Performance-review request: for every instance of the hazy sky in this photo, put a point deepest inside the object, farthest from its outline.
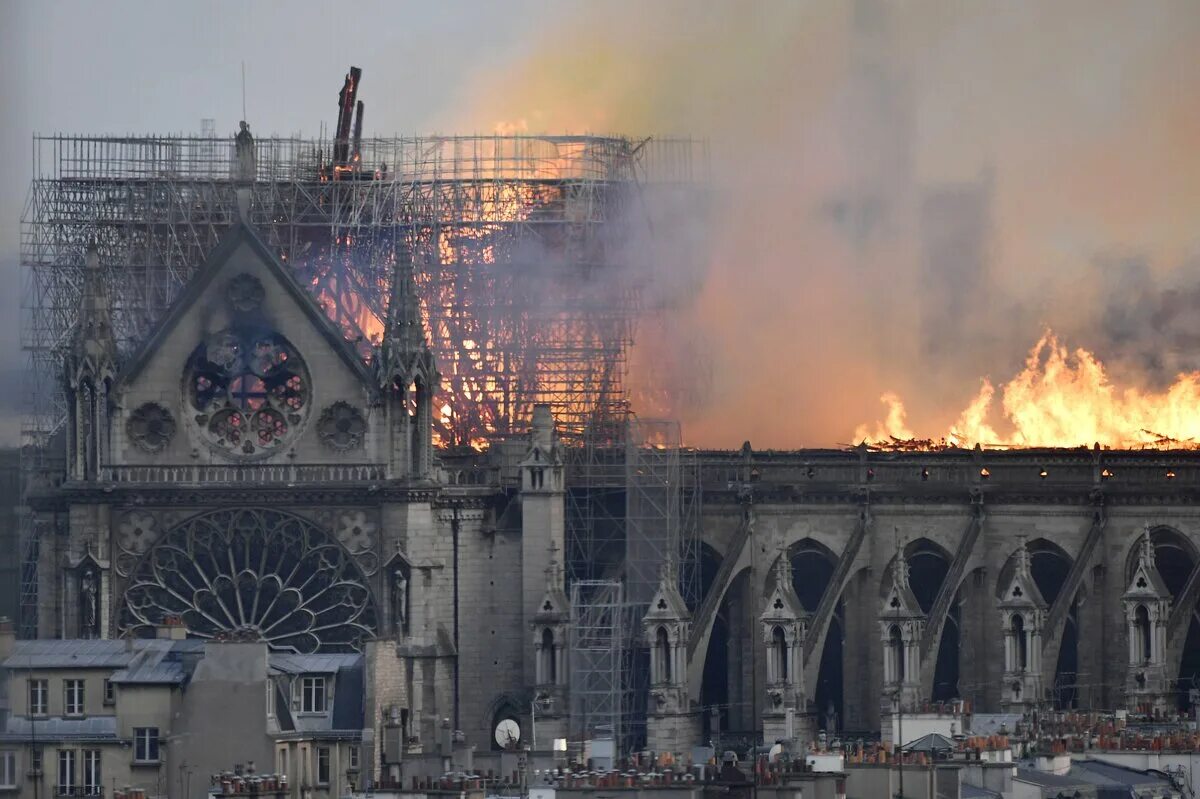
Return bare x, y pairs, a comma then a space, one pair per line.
1081, 116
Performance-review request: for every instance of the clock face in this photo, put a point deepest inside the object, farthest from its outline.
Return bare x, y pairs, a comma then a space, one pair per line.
508, 734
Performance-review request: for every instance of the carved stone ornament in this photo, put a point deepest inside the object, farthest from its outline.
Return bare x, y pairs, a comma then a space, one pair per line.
342, 427
245, 293
150, 427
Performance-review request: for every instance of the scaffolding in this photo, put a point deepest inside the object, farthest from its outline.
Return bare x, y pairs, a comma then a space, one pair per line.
526, 249
599, 640
633, 504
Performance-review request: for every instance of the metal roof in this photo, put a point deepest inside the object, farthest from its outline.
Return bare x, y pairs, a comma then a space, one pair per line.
292, 663
69, 654
969, 791
21, 728
1096, 772
155, 663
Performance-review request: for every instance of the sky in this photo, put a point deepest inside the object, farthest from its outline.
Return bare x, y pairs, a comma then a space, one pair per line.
1071, 124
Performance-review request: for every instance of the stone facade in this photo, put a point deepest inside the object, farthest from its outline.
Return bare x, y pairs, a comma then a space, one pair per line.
251, 475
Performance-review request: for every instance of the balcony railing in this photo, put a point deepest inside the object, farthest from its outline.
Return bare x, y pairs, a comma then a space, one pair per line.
78, 790
211, 474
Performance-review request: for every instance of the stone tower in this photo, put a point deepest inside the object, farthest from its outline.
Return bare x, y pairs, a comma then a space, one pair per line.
784, 624
1022, 617
1147, 603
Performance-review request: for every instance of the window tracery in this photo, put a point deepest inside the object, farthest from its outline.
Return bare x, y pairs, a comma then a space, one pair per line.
252, 574
151, 427
342, 426
250, 390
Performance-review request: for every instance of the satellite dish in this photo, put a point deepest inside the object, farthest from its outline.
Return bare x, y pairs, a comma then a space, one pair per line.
508, 734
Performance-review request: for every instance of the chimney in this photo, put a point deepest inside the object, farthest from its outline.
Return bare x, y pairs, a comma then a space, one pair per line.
543, 427
8, 637
172, 629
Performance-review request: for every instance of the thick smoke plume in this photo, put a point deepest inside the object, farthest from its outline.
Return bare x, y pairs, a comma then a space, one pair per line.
904, 196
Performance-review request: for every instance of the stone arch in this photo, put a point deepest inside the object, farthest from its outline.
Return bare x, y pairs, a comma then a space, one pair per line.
929, 565
254, 574
813, 565
506, 706
723, 691
708, 563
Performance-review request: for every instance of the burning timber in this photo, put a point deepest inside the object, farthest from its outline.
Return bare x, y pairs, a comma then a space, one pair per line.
526, 290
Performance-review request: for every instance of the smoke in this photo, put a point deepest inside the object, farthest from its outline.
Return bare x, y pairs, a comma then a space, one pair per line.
903, 196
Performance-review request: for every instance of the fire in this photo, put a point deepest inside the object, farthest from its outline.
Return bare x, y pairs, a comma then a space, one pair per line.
1060, 399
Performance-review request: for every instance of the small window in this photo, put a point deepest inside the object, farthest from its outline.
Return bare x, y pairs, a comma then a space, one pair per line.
39, 698
35, 761
110, 693
270, 699
73, 697
91, 773
66, 772
145, 744
312, 695
322, 765
352, 758
8, 768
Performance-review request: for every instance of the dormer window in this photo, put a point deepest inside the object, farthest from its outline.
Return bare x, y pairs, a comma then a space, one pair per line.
312, 695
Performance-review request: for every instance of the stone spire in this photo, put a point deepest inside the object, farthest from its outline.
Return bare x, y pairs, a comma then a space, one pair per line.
95, 345
405, 353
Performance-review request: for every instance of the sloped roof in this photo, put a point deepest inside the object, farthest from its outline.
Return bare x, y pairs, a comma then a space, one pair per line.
241, 234
157, 662
294, 663
93, 728
69, 654
933, 742
1097, 772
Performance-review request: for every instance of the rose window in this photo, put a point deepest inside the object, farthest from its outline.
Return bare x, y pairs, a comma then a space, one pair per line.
342, 426
151, 427
252, 574
250, 390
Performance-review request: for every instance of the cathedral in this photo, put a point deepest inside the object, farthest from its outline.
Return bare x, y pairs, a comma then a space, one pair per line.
246, 475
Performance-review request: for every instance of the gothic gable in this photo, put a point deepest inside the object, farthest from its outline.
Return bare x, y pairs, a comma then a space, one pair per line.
1147, 583
782, 604
1022, 591
243, 367
667, 605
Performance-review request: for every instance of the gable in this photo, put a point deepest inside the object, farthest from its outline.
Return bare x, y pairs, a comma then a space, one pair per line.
783, 605
1022, 591
667, 605
900, 603
242, 366
1147, 582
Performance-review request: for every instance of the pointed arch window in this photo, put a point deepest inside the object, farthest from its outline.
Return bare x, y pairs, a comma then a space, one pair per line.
662, 647
1020, 642
1143, 634
779, 647
548, 658
896, 649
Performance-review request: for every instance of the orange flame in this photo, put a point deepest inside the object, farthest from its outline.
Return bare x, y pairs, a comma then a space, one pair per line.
1063, 399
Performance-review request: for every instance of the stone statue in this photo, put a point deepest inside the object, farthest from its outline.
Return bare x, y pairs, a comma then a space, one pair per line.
400, 600
87, 595
246, 164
